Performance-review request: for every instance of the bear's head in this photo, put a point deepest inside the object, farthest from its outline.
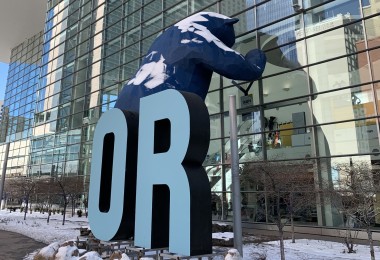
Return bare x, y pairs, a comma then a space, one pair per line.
220, 26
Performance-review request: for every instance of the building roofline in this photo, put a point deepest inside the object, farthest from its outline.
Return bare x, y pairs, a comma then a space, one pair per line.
19, 20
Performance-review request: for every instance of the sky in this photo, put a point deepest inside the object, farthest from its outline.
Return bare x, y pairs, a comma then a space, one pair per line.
3, 78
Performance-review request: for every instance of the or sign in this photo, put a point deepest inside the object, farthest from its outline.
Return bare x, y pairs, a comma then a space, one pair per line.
163, 196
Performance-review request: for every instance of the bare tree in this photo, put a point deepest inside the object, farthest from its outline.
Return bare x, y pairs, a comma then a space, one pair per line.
75, 191
354, 193
71, 187
288, 189
46, 193
300, 196
63, 183
11, 194
23, 187
86, 184
349, 235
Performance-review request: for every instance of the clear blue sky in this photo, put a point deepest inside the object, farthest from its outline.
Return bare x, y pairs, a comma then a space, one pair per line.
3, 78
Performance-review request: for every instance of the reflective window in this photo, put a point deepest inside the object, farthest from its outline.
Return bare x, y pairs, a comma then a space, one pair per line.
132, 20
287, 133
132, 5
347, 104
353, 137
215, 126
248, 121
197, 5
263, 182
274, 10
318, 92
247, 22
331, 15
377, 92
152, 9
247, 95
375, 62
212, 102
339, 42
213, 156
175, 13
284, 86
340, 73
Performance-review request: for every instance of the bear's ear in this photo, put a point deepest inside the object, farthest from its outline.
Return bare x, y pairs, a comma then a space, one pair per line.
231, 21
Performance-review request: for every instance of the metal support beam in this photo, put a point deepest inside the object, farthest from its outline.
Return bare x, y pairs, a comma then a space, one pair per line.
236, 202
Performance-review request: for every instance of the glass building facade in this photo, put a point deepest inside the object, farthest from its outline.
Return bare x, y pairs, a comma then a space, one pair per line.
19, 104
317, 101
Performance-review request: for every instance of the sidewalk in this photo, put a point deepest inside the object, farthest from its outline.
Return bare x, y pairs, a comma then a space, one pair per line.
14, 246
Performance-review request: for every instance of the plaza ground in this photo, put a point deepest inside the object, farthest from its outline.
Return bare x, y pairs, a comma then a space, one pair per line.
35, 226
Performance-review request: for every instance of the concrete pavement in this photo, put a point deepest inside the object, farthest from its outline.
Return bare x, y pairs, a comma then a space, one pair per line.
14, 246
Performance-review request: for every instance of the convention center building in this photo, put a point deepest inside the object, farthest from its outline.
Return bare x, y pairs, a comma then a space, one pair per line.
312, 115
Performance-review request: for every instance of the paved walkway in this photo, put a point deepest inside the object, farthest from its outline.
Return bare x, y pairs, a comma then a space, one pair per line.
14, 246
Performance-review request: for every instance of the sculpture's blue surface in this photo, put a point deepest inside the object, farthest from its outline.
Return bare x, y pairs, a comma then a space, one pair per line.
185, 56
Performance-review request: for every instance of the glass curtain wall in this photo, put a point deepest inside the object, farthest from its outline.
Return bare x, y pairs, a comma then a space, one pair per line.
19, 104
316, 105
91, 48
68, 94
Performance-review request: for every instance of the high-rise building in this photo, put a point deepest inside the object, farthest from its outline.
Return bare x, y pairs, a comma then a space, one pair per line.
318, 97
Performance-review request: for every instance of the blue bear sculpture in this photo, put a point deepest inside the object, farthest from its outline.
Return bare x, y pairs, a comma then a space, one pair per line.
184, 57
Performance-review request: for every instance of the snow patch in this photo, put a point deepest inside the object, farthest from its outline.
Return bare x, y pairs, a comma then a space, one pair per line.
153, 71
36, 227
233, 254
151, 54
91, 256
125, 257
190, 24
185, 41
49, 251
66, 252
221, 16
223, 235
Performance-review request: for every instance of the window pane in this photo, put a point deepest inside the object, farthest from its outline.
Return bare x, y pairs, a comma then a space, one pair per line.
348, 138
340, 73
375, 62
331, 15
347, 104
175, 13
334, 43
152, 9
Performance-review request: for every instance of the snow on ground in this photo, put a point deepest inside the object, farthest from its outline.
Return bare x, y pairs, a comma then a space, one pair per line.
223, 235
35, 226
307, 249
